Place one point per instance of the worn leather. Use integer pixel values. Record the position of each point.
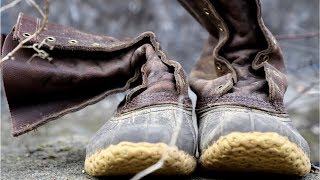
(223, 120)
(155, 124)
(240, 76)
(84, 69)
(241, 63)
(152, 112)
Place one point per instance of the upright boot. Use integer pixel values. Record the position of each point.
(240, 82)
(145, 123)
(153, 121)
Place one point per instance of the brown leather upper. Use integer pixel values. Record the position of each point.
(84, 69)
(241, 63)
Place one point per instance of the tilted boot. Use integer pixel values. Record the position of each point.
(240, 82)
(153, 121)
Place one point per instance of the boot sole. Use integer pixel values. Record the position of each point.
(128, 158)
(256, 152)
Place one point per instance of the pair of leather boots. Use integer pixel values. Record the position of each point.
(239, 81)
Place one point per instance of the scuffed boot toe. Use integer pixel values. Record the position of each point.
(130, 143)
(241, 139)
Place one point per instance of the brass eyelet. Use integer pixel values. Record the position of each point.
(218, 66)
(219, 88)
(26, 34)
(51, 39)
(274, 40)
(219, 27)
(206, 11)
(265, 58)
(73, 41)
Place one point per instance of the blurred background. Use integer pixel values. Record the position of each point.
(294, 22)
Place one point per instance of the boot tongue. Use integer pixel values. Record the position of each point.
(158, 83)
(158, 77)
(241, 19)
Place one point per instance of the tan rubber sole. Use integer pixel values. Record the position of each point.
(128, 158)
(255, 152)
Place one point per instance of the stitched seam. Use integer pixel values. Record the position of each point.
(276, 106)
(240, 109)
(147, 111)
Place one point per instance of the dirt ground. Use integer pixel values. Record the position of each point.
(57, 149)
(64, 160)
